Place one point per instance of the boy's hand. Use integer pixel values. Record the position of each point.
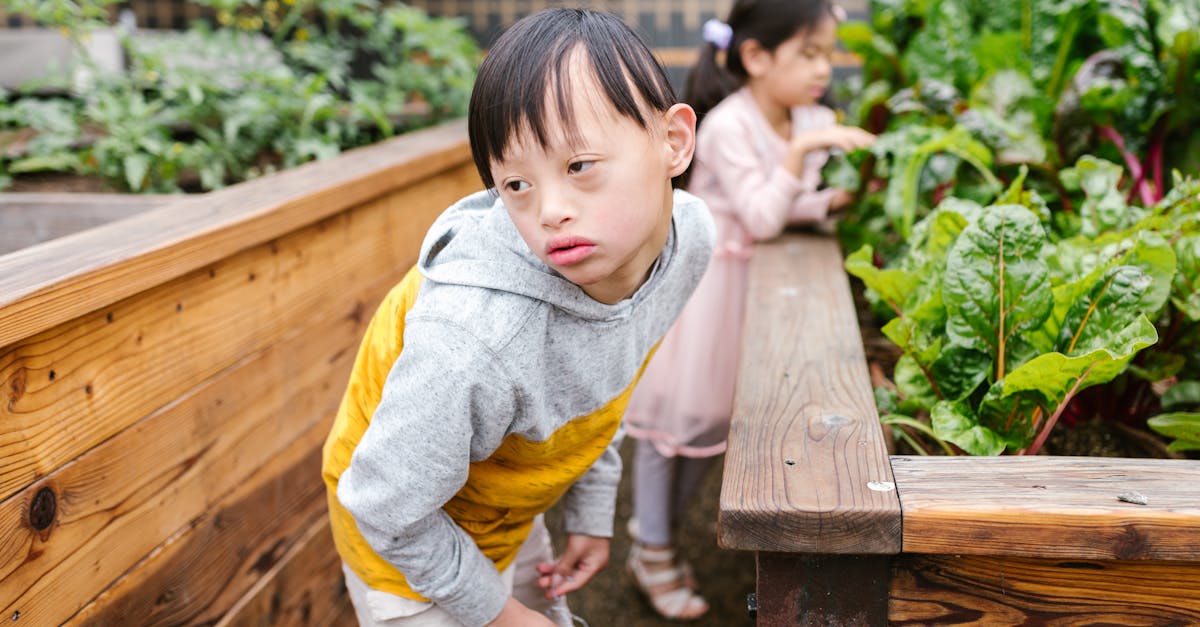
(515, 614)
(583, 557)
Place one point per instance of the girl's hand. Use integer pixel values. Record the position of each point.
(515, 614)
(840, 200)
(845, 138)
(583, 557)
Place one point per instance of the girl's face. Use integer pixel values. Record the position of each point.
(798, 71)
(597, 209)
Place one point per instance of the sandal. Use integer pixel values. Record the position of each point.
(670, 589)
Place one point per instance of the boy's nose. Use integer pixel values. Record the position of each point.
(556, 209)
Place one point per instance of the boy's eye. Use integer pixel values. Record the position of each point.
(580, 166)
(516, 185)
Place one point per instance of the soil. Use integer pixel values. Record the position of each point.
(61, 183)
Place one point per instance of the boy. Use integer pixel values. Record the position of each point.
(492, 379)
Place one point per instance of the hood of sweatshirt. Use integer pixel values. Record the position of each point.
(474, 243)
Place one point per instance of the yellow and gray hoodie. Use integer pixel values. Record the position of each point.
(487, 386)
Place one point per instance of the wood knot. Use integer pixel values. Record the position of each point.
(16, 387)
(42, 509)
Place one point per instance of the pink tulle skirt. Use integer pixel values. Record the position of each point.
(685, 397)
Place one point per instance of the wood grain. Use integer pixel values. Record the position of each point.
(954, 590)
(68, 389)
(202, 571)
(119, 502)
(805, 444)
(305, 587)
(27, 219)
(1051, 507)
(59, 280)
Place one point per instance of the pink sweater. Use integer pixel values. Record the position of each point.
(738, 172)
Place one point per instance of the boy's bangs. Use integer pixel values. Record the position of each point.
(527, 78)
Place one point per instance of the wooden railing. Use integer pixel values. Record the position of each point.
(168, 380)
(846, 535)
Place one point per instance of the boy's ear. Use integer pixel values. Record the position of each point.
(680, 123)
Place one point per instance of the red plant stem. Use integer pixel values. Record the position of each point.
(1045, 432)
(1131, 162)
(1000, 292)
(1156, 167)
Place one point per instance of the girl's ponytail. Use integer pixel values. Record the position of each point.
(707, 82)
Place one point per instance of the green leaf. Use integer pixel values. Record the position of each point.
(136, 166)
(1184, 427)
(1182, 394)
(954, 422)
(1105, 208)
(995, 287)
(1185, 293)
(1099, 312)
(894, 286)
(1056, 377)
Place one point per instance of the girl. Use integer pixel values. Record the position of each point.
(762, 141)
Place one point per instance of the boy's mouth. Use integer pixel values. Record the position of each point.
(565, 250)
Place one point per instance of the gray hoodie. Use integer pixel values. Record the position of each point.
(501, 351)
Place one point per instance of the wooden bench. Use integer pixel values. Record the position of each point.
(845, 534)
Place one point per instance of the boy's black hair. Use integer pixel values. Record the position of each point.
(531, 57)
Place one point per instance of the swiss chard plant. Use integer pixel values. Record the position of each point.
(963, 86)
(1002, 325)
(1016, 227)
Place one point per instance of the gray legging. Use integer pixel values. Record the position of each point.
(662, 487)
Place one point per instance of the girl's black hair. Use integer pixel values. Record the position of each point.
(532, 57)
(770, 23)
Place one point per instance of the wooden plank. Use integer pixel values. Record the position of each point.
(953, 589)
(121, 500)
(799, 589)
(27, 219)
(305, 588)
(1050, 507)
(123, 362)
(197, 575)
(49, 284)
(805, 445)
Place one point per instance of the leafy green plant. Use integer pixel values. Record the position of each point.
(962, 86)
(270, 85)
(1002, 326)
(1014, 226)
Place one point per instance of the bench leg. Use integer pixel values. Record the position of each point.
(804, 589)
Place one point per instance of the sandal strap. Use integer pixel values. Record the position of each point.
(673, 603)
(654, 556)
(669, 603)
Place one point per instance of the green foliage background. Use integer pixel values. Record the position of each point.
(1029, 219)
(269, 85)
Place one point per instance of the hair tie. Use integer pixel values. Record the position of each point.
(718, 33)
(839, 13)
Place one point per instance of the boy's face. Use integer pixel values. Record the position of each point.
(598, 209)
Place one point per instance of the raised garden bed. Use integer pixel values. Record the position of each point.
(168, 379)
(845, 533)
